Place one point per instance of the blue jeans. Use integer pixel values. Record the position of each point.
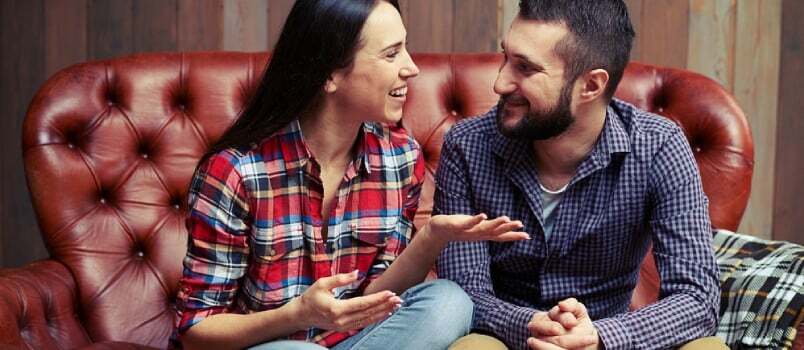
(433, 315)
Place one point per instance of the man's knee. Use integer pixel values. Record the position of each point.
(478, 341)
(708, 343)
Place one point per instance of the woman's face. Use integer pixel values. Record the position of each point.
(374, 88)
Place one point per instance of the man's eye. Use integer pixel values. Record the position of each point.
(392, 54)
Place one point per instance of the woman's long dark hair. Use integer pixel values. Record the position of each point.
(319, 37)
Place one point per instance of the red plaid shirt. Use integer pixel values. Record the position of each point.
(255, 224)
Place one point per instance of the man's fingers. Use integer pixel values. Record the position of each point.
(542, 325)
(571, 341)
(568, 320)
(536, 344)
(574, 306)
(334, 281)
(366, 302)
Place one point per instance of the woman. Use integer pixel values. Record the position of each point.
(302, 205)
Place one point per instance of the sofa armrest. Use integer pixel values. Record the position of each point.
(38, 308)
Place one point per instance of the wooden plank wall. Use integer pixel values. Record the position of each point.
(788, 219)
(39, 37)
(736, 42)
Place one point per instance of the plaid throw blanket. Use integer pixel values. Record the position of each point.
(762, 291)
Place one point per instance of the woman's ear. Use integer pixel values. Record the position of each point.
(333, 81)
(330, 86)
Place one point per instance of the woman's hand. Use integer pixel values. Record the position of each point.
(319, 308)
(475, 228)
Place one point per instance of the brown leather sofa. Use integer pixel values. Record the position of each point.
(109, 148)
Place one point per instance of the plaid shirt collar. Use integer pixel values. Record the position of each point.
(292, 136)
(614, 139)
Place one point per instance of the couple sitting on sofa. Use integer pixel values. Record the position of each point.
(301, 231)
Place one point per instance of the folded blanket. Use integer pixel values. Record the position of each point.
(762, 291)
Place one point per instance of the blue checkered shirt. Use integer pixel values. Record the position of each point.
(639, 185)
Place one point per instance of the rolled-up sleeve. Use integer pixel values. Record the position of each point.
(217, 247)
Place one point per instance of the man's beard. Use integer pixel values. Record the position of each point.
(539, 124)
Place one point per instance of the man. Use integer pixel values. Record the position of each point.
(594, 180)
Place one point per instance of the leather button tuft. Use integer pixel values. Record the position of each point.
(103, 200)
(140, 254)
(144, 155)
(71, 145)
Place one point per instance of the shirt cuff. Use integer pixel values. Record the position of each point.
(512, 326)
(613, 334)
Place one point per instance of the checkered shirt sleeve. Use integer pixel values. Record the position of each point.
(467, 263)
(217, 249)
(683, 257)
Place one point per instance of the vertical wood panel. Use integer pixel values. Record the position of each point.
(109, 28)
(429, 25)
(476, 25)
(635, 13)
(663, 32)
(245, 25)
(510, 9)
(756, 77)
(155, 23)
(22, 68)
(65, 34)
(711, 44)
(278, 10)
(789, 213)
(200, 25)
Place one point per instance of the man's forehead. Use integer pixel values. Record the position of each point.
(531, 37)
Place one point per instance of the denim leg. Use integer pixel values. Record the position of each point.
(433, 315)
(287, 345)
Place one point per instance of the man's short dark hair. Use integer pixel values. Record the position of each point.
(600, 35)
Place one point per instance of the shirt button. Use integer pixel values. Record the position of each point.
(353, 225)
(272, 252)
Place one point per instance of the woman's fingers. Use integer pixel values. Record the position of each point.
(510, 236)
(363, 318)
(366, 302)
(334, 281)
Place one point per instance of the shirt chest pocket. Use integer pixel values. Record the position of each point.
(279, 242)
(372, 232)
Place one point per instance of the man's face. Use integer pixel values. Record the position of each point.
(535, 99)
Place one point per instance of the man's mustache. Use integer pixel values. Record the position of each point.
(513, 99)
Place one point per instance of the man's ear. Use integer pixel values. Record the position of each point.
(593, 84)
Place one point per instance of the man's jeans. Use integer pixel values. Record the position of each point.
(433, 315)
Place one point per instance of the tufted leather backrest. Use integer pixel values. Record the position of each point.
(110, 146)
